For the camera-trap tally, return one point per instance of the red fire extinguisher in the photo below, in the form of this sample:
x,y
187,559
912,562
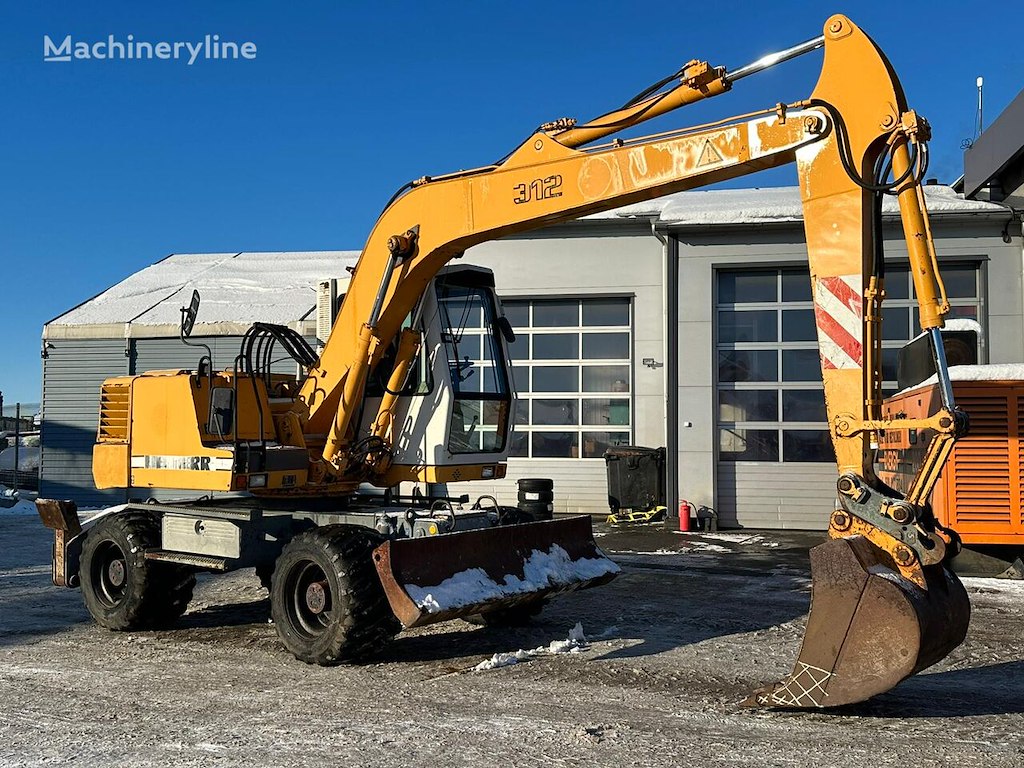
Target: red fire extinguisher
x,y
685,510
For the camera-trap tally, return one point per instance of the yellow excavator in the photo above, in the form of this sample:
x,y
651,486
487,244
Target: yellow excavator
x,y
311,465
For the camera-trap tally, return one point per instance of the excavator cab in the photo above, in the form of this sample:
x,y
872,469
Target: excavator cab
x,y
453,418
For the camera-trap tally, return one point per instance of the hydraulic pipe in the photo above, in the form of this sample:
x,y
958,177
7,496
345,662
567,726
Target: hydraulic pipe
x,y
941,368
932,304
408,348
355,384
382,290
771,59
698,81
707,83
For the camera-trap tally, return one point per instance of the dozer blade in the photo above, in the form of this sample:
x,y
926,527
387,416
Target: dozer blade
x,y
436,578
869,628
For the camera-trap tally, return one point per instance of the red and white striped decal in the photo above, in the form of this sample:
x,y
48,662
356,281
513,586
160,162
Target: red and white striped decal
x,y
839,312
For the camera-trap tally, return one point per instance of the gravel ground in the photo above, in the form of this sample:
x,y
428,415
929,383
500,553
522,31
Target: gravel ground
x,y
675,644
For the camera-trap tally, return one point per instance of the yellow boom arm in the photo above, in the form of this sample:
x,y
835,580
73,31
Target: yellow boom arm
x,y
856,115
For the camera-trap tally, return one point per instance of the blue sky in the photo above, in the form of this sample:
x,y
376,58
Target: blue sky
x,y
107,166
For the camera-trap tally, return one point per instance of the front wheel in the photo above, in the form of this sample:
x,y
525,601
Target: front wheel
x,y
121,588
326,598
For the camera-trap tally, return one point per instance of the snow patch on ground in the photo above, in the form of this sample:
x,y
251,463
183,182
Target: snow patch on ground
x,y
735,538
607,632
542,570
689,547
19,508
998,590
660,552
701,546
744,539
575,643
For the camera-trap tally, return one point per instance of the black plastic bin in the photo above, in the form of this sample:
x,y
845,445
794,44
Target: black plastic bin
x,y
636,477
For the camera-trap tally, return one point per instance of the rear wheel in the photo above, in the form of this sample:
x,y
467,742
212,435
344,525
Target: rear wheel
x,y
326,598
121,588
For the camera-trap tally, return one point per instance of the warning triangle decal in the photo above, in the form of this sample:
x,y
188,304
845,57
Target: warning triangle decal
x,y
709,154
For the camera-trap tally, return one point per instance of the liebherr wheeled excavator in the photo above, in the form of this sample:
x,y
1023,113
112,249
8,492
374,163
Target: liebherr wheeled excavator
x,y
389,400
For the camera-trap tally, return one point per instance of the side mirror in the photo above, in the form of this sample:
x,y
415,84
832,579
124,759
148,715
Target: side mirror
x,y
189,314
506,329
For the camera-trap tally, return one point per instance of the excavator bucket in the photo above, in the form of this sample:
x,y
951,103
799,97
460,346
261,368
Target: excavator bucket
x,y
869,628
436,578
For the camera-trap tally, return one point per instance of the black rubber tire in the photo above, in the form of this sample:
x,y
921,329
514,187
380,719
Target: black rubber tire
x,y
517,616
535,506
536,510
535,484
356,621
535,497
145,594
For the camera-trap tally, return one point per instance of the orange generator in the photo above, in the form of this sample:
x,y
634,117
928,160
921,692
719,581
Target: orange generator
x,y
980,493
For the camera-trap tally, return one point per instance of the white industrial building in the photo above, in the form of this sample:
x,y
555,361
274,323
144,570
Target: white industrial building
x,y
685,322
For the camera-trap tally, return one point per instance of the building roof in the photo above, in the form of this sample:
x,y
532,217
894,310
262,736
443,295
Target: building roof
x,y
998,146
239,289
771,205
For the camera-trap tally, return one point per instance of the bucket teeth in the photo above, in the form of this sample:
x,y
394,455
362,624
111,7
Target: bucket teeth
x,y
869,628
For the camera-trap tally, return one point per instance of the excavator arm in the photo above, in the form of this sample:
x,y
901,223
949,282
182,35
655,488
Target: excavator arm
x,y
855,122
883,573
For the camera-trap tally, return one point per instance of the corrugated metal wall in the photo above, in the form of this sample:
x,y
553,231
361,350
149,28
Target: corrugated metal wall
x,y
168,354
72,373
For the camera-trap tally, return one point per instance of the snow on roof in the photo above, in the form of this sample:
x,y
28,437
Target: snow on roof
x,y
277,287
774,204
280,287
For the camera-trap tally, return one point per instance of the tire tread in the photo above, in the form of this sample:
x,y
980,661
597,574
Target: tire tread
x,y
160,591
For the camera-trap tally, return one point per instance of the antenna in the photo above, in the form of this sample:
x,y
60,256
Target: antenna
x,y
978,127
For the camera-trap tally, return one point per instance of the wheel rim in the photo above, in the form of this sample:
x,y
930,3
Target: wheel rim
x,y
110,574
309,600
